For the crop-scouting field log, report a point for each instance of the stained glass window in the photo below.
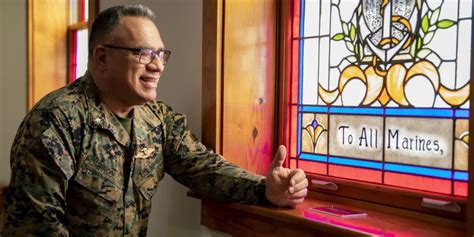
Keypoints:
(379, 92)
(78, 38)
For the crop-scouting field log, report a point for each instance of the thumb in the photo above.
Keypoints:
(279, 157)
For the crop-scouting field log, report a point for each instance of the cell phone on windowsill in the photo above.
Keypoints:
(339, 211)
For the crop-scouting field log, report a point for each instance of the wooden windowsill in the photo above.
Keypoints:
(254, 220)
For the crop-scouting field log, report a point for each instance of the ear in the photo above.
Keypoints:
(99, 56)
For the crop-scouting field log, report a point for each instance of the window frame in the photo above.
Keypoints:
(48, 45)
(351, 190)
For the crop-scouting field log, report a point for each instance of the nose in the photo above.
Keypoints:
(156, 64)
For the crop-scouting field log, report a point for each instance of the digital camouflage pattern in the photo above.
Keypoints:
(69, 158)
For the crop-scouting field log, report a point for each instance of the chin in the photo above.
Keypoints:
(146, 99)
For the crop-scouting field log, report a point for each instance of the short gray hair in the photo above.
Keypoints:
(108, 19)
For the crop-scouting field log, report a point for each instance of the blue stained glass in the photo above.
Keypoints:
(352, 57)
(462, 113)
(315, 109)
(314, 124)
(349, 110)
(298, 147)
(461, 175)
(313, 157)
(425, 171)
(357, 163)
(420, 112)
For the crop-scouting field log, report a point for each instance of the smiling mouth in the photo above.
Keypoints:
(150, 82)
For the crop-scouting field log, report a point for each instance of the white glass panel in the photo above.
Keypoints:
(420, 92)
(335, 22)
(449, 10)
(310, 71)
(334, 75)
(433, 4)
(465, 105)
(338, 48)
(444, 43)
(311, 18)
(353, 93)
(465, 8)
(391, 103)
(440, 103)
(82, 51)
(463, 73)
(338, 102)
(86, 10)
(73, 10)
(339, 51)
(434, 58)
(447, 74)
(324, 62)
(347, 8)
(325, 16)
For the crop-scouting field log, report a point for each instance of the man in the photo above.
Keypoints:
(87, 159)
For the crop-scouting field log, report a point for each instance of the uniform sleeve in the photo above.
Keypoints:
(41, 165)
(189, 162)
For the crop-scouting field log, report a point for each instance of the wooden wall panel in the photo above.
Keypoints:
(212, 74)
(470, 195)
(249, 83)
(47, 47)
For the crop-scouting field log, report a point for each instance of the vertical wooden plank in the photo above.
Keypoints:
(284, 73)
(93, 12)
(470, 192)
(31, 68)
(212, 73)
(249, 83)
(47, 47)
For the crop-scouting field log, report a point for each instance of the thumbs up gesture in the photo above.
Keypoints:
(285, 187)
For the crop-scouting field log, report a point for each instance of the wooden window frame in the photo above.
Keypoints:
(249, 81)
(361, 191)
(48, 38)
(72, 48)
(395, 200)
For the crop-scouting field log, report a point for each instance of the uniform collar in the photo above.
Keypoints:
(144, 118)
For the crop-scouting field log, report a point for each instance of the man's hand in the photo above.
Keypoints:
(285, 187)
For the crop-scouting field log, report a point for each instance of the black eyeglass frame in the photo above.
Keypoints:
(141, 51)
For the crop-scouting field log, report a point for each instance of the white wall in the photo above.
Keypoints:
(13, 77)
(180, 26)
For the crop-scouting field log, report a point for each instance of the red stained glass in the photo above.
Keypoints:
(294, 72)
(460, 188)
(73, 57)
(415, 182)
(313, 167)
(296, 18)
(82, 13)
(418, 182)
(293, 132)
(368, 175)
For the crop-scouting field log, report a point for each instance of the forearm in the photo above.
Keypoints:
(211, 176)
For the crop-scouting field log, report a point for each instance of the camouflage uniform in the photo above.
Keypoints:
(70, 155)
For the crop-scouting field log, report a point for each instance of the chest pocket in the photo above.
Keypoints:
(97, 183)
(148, 170)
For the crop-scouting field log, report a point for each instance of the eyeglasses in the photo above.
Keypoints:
(146, 56)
